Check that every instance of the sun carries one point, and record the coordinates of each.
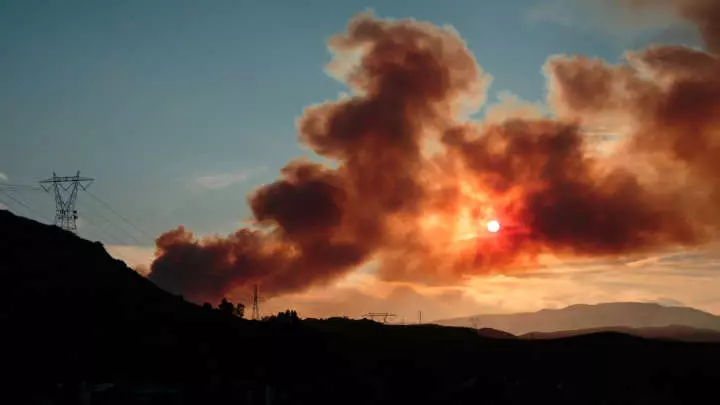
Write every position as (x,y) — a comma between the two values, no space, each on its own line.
(493,226)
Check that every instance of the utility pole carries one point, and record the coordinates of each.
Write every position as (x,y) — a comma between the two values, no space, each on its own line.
(475,322)
(419,317)
(255,304)
(65,190)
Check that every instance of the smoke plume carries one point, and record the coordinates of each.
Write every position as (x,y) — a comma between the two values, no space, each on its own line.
(416,180)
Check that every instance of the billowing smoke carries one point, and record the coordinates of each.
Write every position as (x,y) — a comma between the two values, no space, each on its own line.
(416,180)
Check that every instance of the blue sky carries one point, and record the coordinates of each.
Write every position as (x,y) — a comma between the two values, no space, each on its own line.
(149,97)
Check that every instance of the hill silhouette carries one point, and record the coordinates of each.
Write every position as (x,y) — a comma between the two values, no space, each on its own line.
(606,315)
(74,316)
(672,332)
(70,310)
(495,334)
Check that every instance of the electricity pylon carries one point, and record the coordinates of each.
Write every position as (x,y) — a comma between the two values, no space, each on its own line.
(381,315)
(256,304)
(65,190)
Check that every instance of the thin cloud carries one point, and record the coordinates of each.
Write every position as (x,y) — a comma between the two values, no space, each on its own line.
(606,18)
(690,263)
(599,15)
(654,259)
(221,181)
(3,206)
(3,177)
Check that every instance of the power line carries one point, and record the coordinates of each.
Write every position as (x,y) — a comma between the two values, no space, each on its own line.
(255,304)
(6,204)
(7,187)
(17,200)
(30,209)
(66,189)
(10,186)
(110,222)
(101,229)
(127,221)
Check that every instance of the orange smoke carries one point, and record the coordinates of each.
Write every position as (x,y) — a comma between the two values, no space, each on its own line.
(416,182)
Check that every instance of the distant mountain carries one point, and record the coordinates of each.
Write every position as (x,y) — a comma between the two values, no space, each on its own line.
(579,317)
(673,332)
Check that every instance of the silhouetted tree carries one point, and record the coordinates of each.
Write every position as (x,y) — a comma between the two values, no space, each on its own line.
(240,310)
(207,305)
(287,317)
(291,316)
(226,306)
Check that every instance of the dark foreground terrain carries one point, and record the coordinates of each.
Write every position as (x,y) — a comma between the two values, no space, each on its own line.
(81,327)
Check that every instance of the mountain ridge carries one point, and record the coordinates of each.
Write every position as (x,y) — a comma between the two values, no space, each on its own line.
(591,316)
(672,332)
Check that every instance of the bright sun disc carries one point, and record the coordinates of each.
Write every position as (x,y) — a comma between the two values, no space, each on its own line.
(493,226)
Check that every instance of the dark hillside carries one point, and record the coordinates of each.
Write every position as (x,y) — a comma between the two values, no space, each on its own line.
(71,313)
(672,332)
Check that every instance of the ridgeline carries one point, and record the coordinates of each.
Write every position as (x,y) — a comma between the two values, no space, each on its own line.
(77,322)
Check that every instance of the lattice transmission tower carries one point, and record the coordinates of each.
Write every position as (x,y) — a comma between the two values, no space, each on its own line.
(65,189)
(380,315)
(255,303)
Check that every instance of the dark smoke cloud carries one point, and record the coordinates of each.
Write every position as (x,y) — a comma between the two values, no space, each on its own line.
(415,182)
(318,223)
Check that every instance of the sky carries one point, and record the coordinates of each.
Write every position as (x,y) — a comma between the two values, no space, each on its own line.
(180,108)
